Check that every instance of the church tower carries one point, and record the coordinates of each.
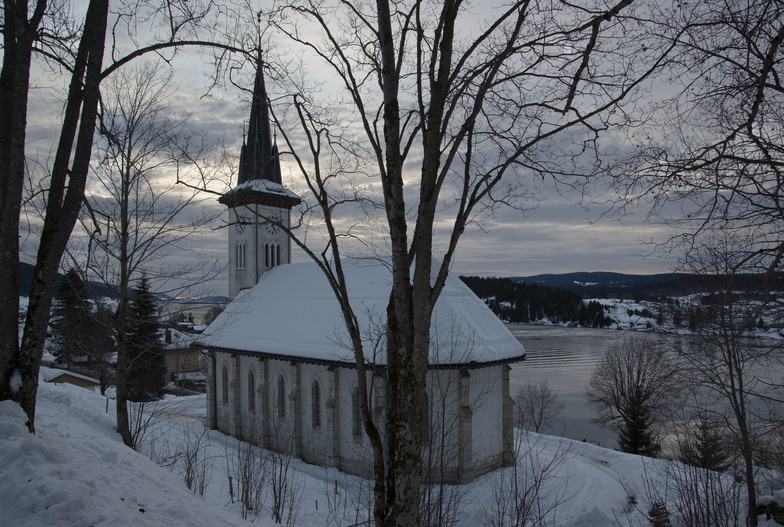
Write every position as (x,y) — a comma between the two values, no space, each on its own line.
(259,202)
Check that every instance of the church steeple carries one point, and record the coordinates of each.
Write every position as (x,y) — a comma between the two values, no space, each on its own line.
(259,155)
(259,205)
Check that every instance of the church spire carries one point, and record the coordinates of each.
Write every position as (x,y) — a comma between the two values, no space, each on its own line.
(259,155)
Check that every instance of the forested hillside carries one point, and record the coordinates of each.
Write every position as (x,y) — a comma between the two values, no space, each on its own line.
(520,302)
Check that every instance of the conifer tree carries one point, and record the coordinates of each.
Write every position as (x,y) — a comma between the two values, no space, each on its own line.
(82,329)
(146,368)
(70,319)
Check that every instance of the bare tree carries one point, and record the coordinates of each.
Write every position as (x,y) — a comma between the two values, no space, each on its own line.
(537,405)
(137,212)
(631,389)
(20,362)
(49,33)
(723,360)
(451,109)
(527,493)
(709,163)
(710,156)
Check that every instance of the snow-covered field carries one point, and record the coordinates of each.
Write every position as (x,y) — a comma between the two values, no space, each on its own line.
(76,471)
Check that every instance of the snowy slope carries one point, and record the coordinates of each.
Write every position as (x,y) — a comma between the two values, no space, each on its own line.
(75,471)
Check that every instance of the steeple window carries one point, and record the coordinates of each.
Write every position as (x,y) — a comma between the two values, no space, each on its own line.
(240,255)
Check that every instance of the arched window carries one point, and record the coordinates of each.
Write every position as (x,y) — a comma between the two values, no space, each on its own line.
(281,397)
(315,404)
(240,250)
(267,256)
(251,390)
(277,255)
(225,384)
(244,254)
(356,414)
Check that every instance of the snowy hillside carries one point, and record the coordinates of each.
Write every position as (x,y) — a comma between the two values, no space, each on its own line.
(75,471)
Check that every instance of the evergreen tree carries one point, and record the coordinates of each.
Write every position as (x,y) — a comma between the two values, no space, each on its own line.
(146,367)
(70,320)
(705,446)
(633,390)
(82,330)
(635,434)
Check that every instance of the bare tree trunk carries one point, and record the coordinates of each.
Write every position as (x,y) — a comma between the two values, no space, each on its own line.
(64,200)
(121,391)
(18,36)
(453,95)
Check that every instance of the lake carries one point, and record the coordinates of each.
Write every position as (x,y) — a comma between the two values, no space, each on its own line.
(565,357)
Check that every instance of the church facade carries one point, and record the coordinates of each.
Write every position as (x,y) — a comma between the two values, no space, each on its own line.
(281,374)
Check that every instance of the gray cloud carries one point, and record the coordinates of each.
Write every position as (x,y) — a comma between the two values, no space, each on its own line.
(554,237)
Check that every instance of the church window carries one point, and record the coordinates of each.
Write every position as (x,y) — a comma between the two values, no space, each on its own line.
(225,384)
(315,404)
(267,256)
(277,255)
(251,390)
(356,414)
(281,397)
(241,255)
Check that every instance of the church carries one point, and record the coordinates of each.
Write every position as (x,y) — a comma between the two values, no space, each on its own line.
(281,372)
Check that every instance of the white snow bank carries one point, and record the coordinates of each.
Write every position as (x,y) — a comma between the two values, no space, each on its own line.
(76,471)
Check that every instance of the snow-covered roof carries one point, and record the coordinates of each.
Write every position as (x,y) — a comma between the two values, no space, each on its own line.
(179,339)
(51,374)
(265,186)
(292,313)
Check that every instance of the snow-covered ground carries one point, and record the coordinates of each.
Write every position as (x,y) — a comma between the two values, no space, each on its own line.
(76,471)
(642,316)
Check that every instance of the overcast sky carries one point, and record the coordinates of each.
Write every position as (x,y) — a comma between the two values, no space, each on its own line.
(556,236)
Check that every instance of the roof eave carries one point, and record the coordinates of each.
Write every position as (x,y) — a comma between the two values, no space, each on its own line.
(237,198)
(472,365)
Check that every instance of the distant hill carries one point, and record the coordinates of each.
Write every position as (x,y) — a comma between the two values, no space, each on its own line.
(103,291)
(26,281)
(639,287)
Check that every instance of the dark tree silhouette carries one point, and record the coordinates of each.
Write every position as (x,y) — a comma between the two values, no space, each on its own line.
(631,389)
(146,367)
(70,319)
(82,329)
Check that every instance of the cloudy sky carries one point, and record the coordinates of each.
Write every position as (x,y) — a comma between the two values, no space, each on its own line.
(555,236)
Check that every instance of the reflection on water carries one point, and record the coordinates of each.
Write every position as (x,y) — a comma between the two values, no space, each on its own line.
(565,357)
